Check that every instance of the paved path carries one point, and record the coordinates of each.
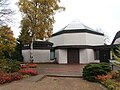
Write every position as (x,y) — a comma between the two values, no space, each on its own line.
(43,82)
(55,69)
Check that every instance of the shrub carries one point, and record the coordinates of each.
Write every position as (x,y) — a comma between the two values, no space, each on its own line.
(16,76)
(28,72)
(6,78)
(103,77)
(32,65)
(118,71)
(10,65)
(24,66)
(111,84)
(91,71)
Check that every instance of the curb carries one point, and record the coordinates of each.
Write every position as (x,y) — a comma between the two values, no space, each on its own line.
(53,75)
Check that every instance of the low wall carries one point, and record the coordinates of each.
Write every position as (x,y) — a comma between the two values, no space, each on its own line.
(39,56)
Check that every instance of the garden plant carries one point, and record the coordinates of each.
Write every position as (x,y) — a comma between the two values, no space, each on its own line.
(103,74)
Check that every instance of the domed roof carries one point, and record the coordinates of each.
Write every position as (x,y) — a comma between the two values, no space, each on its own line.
(76,26)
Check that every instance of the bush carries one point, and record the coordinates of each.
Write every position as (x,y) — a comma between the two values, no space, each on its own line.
(103,77)
(6,78)
(32,65)
(24,66)
(91,71)
(111,84)
(9,65)
(28,71)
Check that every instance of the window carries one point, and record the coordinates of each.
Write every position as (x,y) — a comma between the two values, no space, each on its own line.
(96,53)
(111,56)
(52,54)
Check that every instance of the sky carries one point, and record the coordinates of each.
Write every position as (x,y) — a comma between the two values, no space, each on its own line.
(103,14)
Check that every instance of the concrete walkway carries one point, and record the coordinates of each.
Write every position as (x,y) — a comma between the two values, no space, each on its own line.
(44,81)
(65,70)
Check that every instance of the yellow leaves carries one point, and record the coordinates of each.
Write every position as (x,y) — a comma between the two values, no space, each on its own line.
(39,13)
(7,41)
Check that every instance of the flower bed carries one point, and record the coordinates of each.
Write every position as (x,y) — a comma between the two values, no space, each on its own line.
(28,71)
(110,80)
(32,65)
(6,78)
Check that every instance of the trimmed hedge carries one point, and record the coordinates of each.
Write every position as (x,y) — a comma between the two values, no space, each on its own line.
(90,71)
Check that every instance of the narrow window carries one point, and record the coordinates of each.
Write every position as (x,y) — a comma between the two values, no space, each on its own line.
(96,53)
(52,54)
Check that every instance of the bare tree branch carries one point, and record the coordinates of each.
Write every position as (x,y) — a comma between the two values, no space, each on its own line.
(5,12)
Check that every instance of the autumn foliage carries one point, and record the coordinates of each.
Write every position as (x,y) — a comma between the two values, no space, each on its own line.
(31,65)
(38,18)
(103,77)
(7,41)
(9,77)
(28,71)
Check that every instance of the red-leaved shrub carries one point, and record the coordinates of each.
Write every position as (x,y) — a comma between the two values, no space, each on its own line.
(28,71)
(103,77)
(24,66)
(108,76)
(32,65)
(6,78)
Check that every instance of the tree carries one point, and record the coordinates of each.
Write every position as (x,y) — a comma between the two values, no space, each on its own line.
(106,37)
(7,41)
(116,53)
(25,34)
(17,53)
(5,12)
(38,18)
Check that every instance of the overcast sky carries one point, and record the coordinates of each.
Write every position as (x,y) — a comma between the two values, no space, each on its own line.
(104,14)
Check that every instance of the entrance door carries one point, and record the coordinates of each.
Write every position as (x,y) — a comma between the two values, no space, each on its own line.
(73,56)
(104,55)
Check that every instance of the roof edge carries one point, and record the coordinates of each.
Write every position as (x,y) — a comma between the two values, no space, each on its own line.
(76,31)
(116,37)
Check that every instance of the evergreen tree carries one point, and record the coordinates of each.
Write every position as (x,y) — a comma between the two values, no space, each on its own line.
(116,53)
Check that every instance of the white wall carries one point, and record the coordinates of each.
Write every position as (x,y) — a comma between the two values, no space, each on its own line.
(38,55)
(90,54)
(83,56)
(57,40)
(77,39)
(61,56)
(87,56)
(93,39)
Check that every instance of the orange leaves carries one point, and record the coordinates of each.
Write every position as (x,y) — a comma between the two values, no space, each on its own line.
(105,77)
